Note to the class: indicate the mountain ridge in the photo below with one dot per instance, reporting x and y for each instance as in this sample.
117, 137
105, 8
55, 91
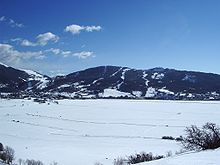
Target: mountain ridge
114, 82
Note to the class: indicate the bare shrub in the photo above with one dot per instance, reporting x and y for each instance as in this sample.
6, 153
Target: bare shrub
53, 163
98, 163
169, 154
180, 138
33, 162
8, 155
21, 161
208, 137
168, 138
181, 151
143, 157
119, 161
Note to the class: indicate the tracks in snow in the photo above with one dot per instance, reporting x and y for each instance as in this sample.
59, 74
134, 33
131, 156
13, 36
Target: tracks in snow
78, 136
105, 123
44, 126
107, 136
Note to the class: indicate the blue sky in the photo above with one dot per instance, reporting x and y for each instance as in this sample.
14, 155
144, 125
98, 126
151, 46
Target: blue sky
59, 37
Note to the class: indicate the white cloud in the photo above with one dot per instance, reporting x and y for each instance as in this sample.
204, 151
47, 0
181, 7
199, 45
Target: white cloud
11, 22
53, 50
23, 42
16, 39
27, 43
9, 55
80, 55
84, 54
40, 56
92, 28
76, 29
43, 39
2, 18
66, 53
59, 72
59, 52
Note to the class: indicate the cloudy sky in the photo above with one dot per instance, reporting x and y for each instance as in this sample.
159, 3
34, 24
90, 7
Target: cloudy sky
59, 37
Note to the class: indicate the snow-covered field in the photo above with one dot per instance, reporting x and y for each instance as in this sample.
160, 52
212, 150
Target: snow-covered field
82, 132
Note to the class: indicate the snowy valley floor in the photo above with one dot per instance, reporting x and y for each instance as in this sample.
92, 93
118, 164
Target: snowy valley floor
82, 132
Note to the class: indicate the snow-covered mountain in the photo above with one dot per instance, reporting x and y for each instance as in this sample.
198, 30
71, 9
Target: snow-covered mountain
113, 81
36, 80
116, 82
17, 80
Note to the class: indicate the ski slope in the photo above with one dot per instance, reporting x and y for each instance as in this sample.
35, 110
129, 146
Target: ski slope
82, 132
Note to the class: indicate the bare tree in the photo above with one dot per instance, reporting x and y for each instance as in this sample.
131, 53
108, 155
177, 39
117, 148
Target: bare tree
208, 137
9, 154
119, 161
3, 157
1, 147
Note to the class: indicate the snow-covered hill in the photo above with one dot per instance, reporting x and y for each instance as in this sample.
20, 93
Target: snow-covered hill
209, 157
